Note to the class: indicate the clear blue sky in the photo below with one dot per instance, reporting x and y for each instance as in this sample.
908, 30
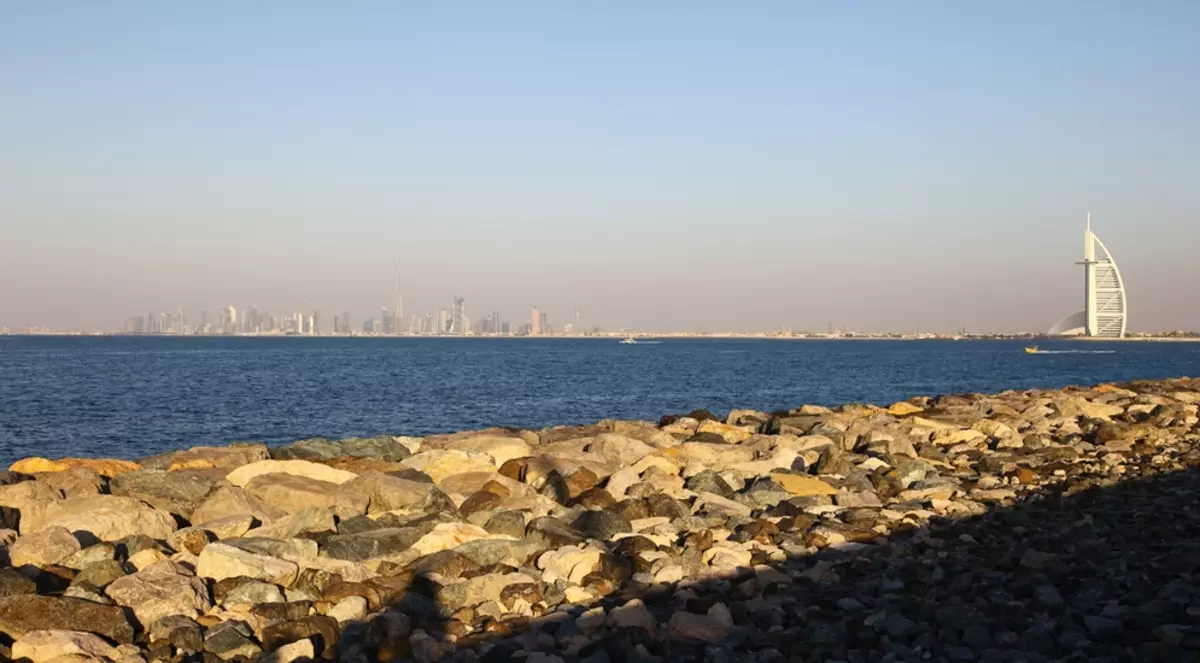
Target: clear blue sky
661, 165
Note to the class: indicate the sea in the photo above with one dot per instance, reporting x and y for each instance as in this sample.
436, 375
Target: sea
130, 397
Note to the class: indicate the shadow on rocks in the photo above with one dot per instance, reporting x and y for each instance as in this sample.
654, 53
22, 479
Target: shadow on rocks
1088, 570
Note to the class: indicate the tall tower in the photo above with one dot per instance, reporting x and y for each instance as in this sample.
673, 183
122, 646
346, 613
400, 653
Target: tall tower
459, 316
535, 327
398, 323
1105, 311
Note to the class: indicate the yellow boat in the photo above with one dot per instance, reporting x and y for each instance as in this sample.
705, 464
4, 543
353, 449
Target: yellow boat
1032, 351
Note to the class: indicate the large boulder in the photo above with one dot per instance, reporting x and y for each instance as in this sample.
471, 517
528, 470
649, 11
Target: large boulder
53, 646
446, 536
303, 468
175, 492
74, 482
153, 596
108, 467
389, 493
231, 502
221, 560
106, 517
319, 449
372, 545
20, 615
199, 458
441, 463
21, 496
499, 449
292, 493
48, 546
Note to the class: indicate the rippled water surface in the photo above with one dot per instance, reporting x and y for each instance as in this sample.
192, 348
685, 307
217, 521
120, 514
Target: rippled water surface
130, 397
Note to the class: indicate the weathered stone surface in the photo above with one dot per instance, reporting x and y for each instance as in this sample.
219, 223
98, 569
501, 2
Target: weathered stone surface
20, 615
22, 496
100, 574
108, 467
310, 520
230, 502
441, 463
106, 517
50, 645
43, 548
371, 545
220, 561
231, 639
499, 449
15, 584
190, 539
174, 492
383, 448
153, 596
301, 468
74, 482
803, 486
292, 493
211, 458
323, 631
388, 493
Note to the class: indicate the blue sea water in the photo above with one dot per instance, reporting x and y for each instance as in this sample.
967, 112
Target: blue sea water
135, 396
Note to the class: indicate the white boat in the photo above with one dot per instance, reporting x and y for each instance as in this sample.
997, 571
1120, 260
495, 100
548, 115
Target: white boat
629, 340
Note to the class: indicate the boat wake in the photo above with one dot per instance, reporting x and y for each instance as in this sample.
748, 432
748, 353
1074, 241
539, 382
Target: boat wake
1075, 352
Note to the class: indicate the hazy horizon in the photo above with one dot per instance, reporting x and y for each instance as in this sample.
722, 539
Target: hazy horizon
878, 166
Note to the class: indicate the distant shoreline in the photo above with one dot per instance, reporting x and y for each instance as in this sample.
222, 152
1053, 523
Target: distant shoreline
617, 337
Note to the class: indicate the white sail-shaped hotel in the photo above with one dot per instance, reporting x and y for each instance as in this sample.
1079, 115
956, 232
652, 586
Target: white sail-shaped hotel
1105, 307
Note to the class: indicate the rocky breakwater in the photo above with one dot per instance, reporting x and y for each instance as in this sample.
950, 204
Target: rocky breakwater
1021, 526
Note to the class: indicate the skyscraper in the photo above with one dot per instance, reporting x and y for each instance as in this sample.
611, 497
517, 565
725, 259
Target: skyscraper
443, 321
1104, 311
398, 316
458, 323
535, 327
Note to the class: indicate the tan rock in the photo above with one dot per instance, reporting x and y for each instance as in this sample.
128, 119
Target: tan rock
293, 652
219, 561
803, 486
442, 463
49, 546
292, 493
499, 449
569, 563
46, 646
221, 457
73, 482
22, 496
153, 596
107, 517
233, 502
106, 467
903, 408
731, 433
361, 466
388, 493
303, 468
37, 465
446, 536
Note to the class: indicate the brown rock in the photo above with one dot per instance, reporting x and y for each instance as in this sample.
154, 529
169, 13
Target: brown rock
74, 482
22, 614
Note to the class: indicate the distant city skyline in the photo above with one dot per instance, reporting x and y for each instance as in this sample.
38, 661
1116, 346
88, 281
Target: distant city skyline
667, 166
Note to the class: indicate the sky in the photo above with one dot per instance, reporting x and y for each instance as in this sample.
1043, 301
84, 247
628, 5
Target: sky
667, 165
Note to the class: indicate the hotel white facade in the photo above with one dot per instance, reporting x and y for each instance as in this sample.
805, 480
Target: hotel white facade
1105, 306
